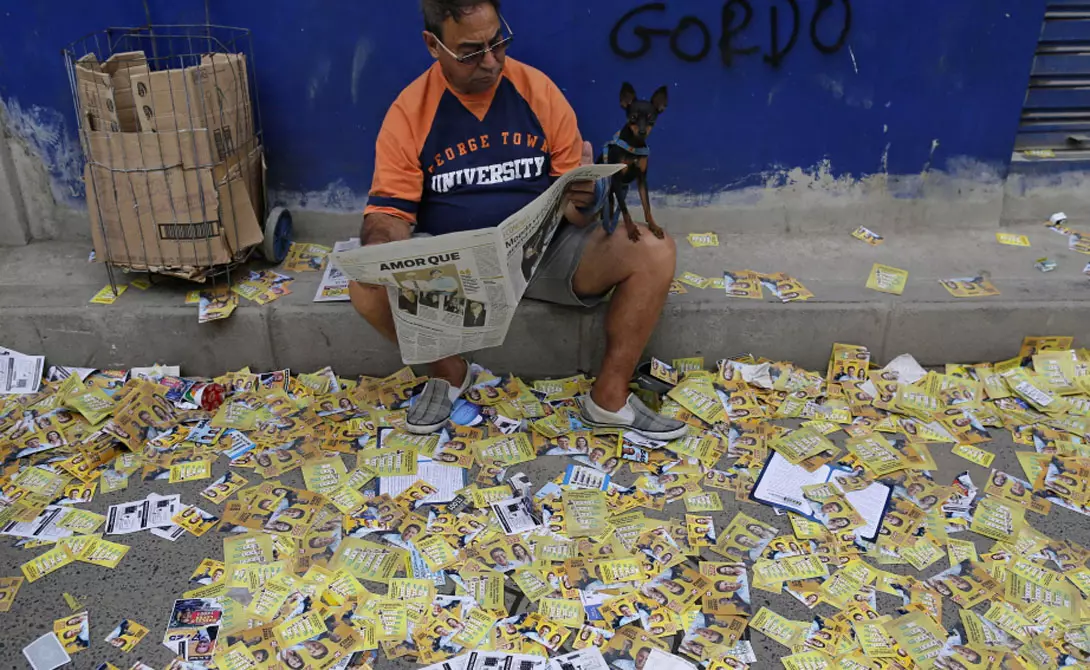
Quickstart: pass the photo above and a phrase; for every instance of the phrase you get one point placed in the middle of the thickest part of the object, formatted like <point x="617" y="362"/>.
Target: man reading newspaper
<point x="475" y="139"/>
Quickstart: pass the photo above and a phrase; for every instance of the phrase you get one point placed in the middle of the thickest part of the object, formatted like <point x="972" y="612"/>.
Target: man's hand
<point x="580" y="194"/>
<point x="383" y="228"/>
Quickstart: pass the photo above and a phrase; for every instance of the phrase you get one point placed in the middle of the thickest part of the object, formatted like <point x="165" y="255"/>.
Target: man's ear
<point x="628" y="95"/>
<point x="658" y="100"/>
<point x="429" y="42"/>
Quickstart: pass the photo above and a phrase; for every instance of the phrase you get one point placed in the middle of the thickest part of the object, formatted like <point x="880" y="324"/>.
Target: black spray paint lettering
<point x="736" y="17"/>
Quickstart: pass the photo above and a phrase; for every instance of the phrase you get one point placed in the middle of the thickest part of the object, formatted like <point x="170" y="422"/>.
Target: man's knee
<point x="658" y="255"/>
<point x="368" y="298"/>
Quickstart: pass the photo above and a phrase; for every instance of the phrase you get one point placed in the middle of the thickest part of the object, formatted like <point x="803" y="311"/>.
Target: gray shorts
<point x="553" y="280"/>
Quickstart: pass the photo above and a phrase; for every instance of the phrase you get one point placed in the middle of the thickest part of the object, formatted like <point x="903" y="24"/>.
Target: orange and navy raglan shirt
<point x="450" y="162"/>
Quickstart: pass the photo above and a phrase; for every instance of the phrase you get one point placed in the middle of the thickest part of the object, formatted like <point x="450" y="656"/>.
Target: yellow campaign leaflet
<point x="703" y="240"/>
<point x="195" y="520"/>
<point x="367" y="560"/>
<point x="533" y="583"/>
<point x="106" y="295"/>
<point x="126" y="635"/>
<point x="705" y="501"/>
<point x="699" y="397"/>
<point x="476" y="626"/>
<point x="191" y="471"/>
<point x="81" y="521"/>
<point x="9" y="587"/>
<point x="267" y="604"/>
<point x="506" y="449"/>
<point x="40" y="481"/>
<point x="969" y="287"/>
<point x="51" y="561"/>
<point x="392" y="462"/>
<point x="869" y="236"/>
<point x="408" y="590"/>
<point x="961" y="550"/>
<point x="299" y="629"/>
<point x="436" y="552"/>
<point x="919" y="636"/>
<point x="235" y="657"/>
<point x="886" y="279"/>
<point x="568" y="613"/>
<point x="224" y="487"/>
<point x="693" y="279"/>
<point x="876" y="454"/>
<point x="798" y="445"/>
<point x="974" y="454"/>
<point x="94" y="405"/>
<point x="103" y="552"/>
<point x="808" y="660"/>
<point x="782" y="630"/>
<point x="324" y="476"/>
<point x="347" y="499"/>
<point x="586" y="512"/>
<point x="1012" y="240"/>
<point x="393" y="620"/>
<point x="997" y="520"/>
<point x="248" y="549"/>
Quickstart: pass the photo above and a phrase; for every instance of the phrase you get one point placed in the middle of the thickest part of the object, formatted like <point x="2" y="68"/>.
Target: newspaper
<point x="19" y="373"/>
<point x="457" y="293"/>
<point x="334" y="286"/>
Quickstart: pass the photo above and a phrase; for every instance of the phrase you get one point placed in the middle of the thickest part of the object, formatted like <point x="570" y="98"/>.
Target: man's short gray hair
<point x="438" y="11"/>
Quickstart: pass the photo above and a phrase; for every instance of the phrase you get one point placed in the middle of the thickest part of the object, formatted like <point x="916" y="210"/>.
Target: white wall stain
<point x="964" y="180"/>
<point x="44" y="132"/>
<point x="337" y="198"/>
<point x="359" y="61"/>
<point x="319" y="78"/>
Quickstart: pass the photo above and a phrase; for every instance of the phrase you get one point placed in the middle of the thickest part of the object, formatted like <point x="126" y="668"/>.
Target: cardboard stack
<point x="175" y="173"/>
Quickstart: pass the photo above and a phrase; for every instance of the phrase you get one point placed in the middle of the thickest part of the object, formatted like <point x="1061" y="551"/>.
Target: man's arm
<point x="380" y="228"/>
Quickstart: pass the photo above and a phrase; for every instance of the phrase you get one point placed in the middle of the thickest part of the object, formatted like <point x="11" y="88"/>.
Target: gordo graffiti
<point x="830" y="18"/>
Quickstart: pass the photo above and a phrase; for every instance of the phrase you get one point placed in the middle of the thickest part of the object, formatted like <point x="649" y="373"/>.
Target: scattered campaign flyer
<point x="20" y="374"/>
<point x="155" y="511"/>
<point x="782" y="485"/>
<point x="589" y="658"/>
<point x="516" y="515"/>
<point x="334" y="286"/>
<point x="46" y="653"/>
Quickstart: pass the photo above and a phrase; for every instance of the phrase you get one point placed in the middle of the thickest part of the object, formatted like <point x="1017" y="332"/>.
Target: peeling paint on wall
<point x="337" y="198"/>
<point x="45" y="132"/>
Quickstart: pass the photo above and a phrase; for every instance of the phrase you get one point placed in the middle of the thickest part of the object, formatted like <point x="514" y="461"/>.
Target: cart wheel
<point x="278" y="235"/>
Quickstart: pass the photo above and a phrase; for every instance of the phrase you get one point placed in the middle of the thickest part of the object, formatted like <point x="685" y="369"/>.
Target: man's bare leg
<point x="641" y="272"/>
<point x="374" y="306"/>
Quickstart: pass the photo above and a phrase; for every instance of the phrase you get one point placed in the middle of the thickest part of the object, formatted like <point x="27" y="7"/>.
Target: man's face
<point x="473" y="31"/>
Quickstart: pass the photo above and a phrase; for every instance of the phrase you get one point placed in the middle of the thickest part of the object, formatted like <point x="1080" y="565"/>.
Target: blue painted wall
<point x="907" y="75"/>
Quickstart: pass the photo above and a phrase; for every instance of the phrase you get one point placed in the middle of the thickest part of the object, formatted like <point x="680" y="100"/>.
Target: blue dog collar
<point x="618" y="142"/>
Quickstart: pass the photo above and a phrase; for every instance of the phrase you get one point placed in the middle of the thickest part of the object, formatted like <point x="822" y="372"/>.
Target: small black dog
<point x="629" y="146"/>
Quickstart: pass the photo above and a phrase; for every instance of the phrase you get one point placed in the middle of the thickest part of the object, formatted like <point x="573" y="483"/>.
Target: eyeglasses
<point x="475" y="58"/>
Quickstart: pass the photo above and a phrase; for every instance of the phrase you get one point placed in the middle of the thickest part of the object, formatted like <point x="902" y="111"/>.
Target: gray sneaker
<point x="431" y="409"/>
<point x="644" y="421"/>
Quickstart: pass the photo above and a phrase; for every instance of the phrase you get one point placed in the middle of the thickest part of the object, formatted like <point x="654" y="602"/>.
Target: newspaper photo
<point x="458" y="292"/>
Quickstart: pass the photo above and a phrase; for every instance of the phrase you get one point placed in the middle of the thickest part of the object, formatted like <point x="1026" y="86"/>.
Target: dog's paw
<point x="634" y="233"/>
<point x="656" y="230"/>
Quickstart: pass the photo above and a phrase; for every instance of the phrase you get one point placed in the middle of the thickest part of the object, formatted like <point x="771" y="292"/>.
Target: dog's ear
<point x="658" y="100"/>
<point x="628" y="95"/>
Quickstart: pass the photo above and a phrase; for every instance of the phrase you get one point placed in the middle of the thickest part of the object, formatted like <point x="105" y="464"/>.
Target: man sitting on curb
<point x="477" y="108"/>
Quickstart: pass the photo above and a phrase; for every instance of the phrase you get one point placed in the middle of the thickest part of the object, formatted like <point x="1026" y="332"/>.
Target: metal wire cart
<point x="171" y="134"/>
